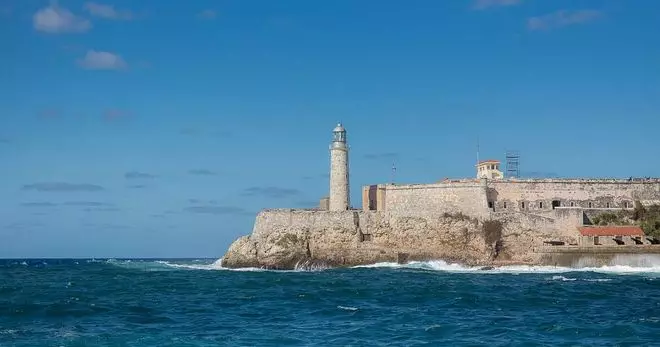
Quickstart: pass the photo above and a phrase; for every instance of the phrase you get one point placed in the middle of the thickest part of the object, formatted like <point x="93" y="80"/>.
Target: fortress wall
<point x="568" y="219"/>
<point x="432" y="199"/>
<point x="561" y="223"/>
<point x="281" y="219"/>
<point x="539" y="194"/>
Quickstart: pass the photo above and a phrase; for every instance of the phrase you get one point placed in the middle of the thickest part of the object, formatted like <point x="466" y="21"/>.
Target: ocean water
<point x="197" y="303"/>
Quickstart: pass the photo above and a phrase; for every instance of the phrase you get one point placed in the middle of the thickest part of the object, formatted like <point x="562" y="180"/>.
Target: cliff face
<point x="288" y="239"/>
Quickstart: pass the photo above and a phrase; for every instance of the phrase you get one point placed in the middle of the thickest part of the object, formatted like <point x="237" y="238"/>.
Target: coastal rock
<point x="290" y="239"/>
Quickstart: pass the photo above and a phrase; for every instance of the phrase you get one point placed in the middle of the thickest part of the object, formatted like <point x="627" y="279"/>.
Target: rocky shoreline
<point x="290" y="239"/>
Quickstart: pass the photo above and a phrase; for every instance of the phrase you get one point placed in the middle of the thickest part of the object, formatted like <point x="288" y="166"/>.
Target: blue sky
<point x="160" y="128"/>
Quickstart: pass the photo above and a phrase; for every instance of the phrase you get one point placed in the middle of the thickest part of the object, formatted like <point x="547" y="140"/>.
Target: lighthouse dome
<point x="339" y="128"/>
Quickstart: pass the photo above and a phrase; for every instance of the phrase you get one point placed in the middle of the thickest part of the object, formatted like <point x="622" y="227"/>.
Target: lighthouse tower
<point x="339" y="192"/>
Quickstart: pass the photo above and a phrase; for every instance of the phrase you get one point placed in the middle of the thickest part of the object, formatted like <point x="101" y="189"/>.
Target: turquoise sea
<point x="194" y="302"/>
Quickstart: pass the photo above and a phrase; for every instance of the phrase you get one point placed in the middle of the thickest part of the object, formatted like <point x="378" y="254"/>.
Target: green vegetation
<point x="611" y="218"/>
<point x="648" y="218"/>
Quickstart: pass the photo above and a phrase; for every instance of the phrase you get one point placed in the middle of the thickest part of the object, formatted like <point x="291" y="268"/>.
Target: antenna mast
<point x="393" y="171"/>
<point x="477" y="150"/>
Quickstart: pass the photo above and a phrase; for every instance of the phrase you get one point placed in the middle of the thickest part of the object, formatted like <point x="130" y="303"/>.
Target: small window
<point x="540" y="204"/>
<point x="504" y="204"/>
<point x="625" y="204"/>
<point x="490" y="204"/>
<point x="522" y="204"/>
<point x="607" y="205"/>
<point x="572" y="204"/>
<point x="590" y="205"/>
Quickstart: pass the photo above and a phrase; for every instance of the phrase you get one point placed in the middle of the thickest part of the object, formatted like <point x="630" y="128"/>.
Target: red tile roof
<point x="488" y="161"/>
<point x="611" y="231"/>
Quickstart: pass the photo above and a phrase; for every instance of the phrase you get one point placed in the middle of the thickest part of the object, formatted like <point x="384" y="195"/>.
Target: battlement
<point x="479" y="196"/>
<point x="582" y="180"/>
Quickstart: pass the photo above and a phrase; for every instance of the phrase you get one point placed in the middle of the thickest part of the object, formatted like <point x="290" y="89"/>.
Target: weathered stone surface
<point x="286" y="239"/>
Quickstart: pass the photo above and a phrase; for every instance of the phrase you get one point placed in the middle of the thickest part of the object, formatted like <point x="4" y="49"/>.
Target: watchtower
<point x="489" y="169"/>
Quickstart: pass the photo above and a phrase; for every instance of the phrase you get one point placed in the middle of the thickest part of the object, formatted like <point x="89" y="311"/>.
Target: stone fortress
<point x="483" y="220"/>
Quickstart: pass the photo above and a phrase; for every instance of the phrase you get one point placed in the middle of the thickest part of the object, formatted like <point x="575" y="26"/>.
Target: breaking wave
<point x="621" y="264"/>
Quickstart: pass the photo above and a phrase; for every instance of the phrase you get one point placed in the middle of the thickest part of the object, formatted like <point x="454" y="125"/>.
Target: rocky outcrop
<point x="288" y="239"/>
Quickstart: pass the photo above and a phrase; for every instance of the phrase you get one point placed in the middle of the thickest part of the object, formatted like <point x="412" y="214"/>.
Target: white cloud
<point x="107" y="11"/>
<point x="562" y="18"/>
<point x="98" y="60"/>
<point x="484" y="4"/>
<point x="207" y="14"/>
<point x="55" y="19"/>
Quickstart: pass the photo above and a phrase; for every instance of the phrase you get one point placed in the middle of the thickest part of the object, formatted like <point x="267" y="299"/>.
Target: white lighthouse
<point x="339" y="191"/>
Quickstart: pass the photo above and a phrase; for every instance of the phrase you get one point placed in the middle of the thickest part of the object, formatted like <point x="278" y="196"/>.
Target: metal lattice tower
<point x="512" y="164"/>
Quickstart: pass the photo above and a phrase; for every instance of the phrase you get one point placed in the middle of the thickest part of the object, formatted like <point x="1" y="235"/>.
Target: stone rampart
<point x="475" y="197"/>
<point x="545" y="194"/>
<point x="468" y="197"/>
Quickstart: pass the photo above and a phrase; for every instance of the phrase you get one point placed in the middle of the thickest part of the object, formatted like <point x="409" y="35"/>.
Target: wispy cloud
<point x="381" y="156"/>
<point x="106" y="226"/>
<point x="101" y="209"/>
<point x="62" y="187"/>
<point x="202" y="172"/>
<point x="272" y="192"/>
<point x="189" y="131"/>
<point x="137" y="186"/>
<point x="4" y="140"/>
<point x="55" y="20"/>
<point x="49" y="113"/>
<point x="115" y="114"/>
<point x="38" y="204"/>
<point x="132" y="175"/>
<point x="202" y="202"/>
<point x="207" y="14"/>
<point x="99" y="60"/>
<point x="563" y="18"/>
<point x="107" y="11"/>
<point x="217" y="210"/>
<point x="87" y="203"/>
<point x="484" y="4"/>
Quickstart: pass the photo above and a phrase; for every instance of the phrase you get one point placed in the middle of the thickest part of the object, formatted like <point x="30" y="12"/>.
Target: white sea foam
<point x="622" y="264"/>
<point x="217" y="265"/>
<point x="562" y="278"/>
